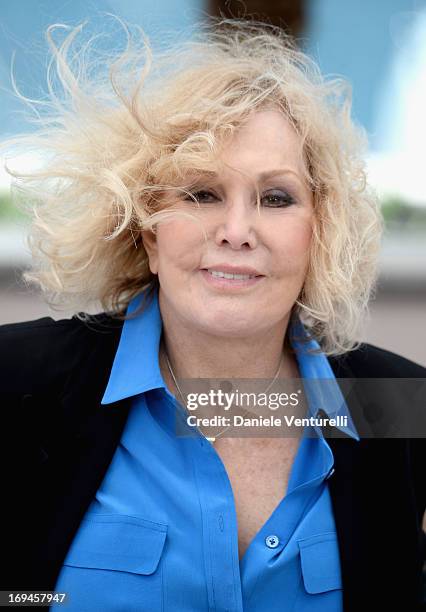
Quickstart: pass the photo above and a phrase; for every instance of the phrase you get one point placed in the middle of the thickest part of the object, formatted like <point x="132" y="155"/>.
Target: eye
<point x="201" y="196"/>
<point x="278" y="199"/>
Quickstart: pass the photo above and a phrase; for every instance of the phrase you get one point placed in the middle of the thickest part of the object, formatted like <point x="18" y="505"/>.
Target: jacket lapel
<point x="74" y="473"/>
<point x="371" y="498"/>
<point x="344" y="496"/>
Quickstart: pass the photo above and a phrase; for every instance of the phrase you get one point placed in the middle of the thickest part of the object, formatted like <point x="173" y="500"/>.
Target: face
<point x="242" y="275"/>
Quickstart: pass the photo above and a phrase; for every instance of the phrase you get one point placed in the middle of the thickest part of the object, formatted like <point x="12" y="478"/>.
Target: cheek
<point x="292" y="243"/>
<point x="179" y="245"/>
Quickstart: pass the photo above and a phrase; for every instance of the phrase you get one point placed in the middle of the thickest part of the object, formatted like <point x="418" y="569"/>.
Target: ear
<point x="149" y="240"/>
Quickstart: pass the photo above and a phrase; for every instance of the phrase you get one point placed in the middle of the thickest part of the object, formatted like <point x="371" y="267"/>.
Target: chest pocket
<point x="320" y="563"/>
<point x="114" y="563"/>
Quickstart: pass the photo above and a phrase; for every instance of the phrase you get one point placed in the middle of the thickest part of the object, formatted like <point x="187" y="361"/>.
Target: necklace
<point x="213" y="439"/>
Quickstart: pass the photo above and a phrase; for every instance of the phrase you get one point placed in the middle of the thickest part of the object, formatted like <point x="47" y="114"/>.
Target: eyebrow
<point x="278" y="171"/>
<point x="263" y="175"/>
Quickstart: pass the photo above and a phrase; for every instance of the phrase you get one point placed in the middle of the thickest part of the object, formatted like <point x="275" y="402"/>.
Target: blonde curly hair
<point x="115" y="141"/>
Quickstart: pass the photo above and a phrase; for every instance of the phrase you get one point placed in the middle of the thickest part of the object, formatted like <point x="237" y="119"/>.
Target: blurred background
<point x="379" y="46"/>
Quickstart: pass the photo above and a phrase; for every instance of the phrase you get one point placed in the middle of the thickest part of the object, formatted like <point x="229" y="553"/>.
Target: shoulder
<point x="39" y="352"/>
<point x="47" y="334"/>
<point x="370" y="361"/>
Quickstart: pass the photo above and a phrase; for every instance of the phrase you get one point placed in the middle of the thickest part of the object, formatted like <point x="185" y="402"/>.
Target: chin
<point x="229" y="324"/>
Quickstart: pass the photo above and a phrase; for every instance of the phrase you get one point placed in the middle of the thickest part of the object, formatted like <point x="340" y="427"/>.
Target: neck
<point x="196" y="354"/>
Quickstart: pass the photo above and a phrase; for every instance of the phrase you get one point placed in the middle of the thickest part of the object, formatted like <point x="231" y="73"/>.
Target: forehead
<point x="265" y="141"/>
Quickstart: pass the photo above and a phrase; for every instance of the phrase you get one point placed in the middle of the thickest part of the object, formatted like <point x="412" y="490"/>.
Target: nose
<point x="236" y="226"/>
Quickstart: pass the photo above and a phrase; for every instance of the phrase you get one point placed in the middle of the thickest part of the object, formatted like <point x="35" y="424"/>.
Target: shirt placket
<point x="220" y="537"/>
<point x="276" y="533"/>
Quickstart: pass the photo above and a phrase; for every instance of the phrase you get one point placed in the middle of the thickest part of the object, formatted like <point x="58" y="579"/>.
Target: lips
<point x="219" y="274"/>
<point x="228" y="271"/>
<point x="223" y="277"/>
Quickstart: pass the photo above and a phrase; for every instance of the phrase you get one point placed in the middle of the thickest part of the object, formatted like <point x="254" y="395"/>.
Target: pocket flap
<point x="320" y="560"/>
<point x="117" y="542"/>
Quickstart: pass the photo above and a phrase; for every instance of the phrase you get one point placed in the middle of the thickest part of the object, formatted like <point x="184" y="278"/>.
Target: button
<point x="272" y="541"/>
<point x="331" y="472"/>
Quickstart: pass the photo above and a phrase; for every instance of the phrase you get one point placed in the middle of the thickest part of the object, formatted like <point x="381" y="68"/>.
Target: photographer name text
<point x="272" y="421"/>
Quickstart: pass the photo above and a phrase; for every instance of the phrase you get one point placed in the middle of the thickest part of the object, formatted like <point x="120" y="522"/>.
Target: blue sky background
<point x="23" y="23"/>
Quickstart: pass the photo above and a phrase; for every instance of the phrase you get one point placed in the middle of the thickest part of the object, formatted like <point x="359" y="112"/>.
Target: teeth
<point x="231" y="276"/>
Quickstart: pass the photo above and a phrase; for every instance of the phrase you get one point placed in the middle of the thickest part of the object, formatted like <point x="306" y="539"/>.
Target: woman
<point x="220" y="215"/>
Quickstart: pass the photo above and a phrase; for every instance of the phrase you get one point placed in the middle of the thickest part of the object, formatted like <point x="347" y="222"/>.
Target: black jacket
<point x="59" y="441"/>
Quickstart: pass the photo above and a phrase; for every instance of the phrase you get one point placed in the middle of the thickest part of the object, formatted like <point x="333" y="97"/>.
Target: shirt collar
<point x="319" y="382"/>
<point x="136" y="369"/>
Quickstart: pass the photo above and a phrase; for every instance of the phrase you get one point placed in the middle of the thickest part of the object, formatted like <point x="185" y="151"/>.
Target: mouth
<point x="228" y="276"/>
<point x="219" y="274"/>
